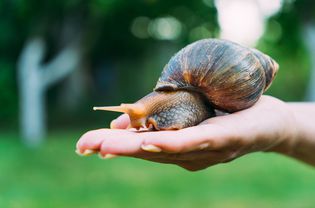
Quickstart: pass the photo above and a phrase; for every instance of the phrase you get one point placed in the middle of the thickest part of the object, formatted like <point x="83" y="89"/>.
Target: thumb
<point x="121" y="122"/>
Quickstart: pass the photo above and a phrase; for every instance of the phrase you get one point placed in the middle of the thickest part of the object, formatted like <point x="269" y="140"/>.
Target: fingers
<point x="125" y="142"/>
<point x="121" y="122"/>
<point x="89" y="142"/>
<point x="121" y="142"/>
<point x="189" y="148"/>
<point x="142" y="144"/>
<point x="185" y="140"/>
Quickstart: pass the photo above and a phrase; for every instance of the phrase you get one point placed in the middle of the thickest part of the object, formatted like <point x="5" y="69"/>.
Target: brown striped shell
<point x="231" y="76"/>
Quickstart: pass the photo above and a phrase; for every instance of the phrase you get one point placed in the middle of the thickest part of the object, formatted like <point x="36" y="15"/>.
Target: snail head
<point x="165" y="110"/>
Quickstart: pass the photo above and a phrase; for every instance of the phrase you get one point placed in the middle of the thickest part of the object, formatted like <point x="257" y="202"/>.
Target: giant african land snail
<point x="206" y="75"/>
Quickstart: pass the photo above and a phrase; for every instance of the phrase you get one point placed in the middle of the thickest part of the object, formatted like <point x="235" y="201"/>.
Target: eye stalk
<point x="136" y="108"/>
<point x="136" y="112"/>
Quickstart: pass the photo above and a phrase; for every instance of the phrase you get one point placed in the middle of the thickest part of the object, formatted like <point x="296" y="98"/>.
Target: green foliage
<point x="103" y="27"/>
<point x="54" y="176"/>
<point x="305" y="9"/>
<point x="283" y="40"/>
<point x="120" y="67"/>
<point x="8" y="96"/>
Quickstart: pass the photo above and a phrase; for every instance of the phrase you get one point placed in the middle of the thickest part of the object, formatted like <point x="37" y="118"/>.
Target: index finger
<point x="122" y="122"/>
<point x="125" y="142"/>
<point x="208" y="136"/>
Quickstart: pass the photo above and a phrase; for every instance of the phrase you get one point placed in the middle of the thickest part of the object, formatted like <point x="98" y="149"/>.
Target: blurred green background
<point x="58" y="59"/>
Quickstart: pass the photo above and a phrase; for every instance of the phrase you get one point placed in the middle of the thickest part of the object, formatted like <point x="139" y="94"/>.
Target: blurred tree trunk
<point x="34" y="78"/>
<point x="309" y="38"/>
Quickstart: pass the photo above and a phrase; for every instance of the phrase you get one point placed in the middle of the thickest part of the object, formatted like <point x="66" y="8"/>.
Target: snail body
<point x="205" y="75"/>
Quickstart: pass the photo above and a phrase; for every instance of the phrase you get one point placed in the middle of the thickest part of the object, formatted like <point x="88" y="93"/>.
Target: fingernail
<point x="203" y="146"/>
<point x="151" y="148"/>
<point x="78" y="152"/>
<point x="89" y="152"/>
<point x="112" y="124"/>
<point x="107" y="156"/>
<point x="86" y="152"/>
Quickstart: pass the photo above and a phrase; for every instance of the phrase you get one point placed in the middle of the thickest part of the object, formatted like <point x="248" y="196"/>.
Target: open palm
<point x="266" y="126"/>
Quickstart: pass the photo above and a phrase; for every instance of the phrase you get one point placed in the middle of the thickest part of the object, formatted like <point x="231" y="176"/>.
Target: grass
<point x="54" y="176"/>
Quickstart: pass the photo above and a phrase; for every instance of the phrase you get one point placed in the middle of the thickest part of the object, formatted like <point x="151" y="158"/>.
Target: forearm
<point x="302" y="145"/>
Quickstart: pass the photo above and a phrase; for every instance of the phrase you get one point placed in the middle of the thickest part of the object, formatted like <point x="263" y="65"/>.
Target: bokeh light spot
<point x="199" y="32"/>
<point x="139" y="27"/>
<point x="165" y="28"/>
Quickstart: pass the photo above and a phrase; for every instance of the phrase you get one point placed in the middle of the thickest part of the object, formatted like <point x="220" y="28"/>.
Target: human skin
<point x="271" y="125"/>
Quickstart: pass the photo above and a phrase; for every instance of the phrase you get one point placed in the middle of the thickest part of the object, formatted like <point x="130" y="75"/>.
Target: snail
<point x="205" y="75"/>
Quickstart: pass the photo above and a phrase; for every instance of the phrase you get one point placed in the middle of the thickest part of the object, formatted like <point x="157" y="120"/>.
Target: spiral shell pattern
<point x="230" y="76"/>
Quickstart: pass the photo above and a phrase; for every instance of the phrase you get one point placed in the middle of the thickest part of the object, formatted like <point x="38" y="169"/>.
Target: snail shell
<point x="206" y="75"/>
<point x="231" y="76"/>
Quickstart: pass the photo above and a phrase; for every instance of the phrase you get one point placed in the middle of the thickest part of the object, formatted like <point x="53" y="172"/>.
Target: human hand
<point x="267" y="126"/>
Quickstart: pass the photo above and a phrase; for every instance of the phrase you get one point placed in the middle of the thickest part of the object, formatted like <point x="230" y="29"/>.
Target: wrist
<point x="290" y="134"/>
<point x="299" y="136"/>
